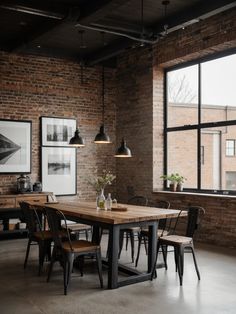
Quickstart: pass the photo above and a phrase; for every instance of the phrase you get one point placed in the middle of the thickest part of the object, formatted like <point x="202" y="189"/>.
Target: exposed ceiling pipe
<point x="108" y="31"/>
<point x="32" y="11"/>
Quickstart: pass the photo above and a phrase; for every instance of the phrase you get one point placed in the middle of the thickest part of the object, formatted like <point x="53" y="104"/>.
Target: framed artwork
<point x="15" y="146"/>
<point x="57" y="131"/>
<point x="58" y="170"/>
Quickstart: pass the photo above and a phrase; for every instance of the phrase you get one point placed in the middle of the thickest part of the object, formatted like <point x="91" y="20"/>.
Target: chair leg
<point x="121" y="242"/>
<point x="195" y="263"/>
<point x="53" y="259"/>
<point x="132" y="245"/>
<point x="145" y="245"/>
<point x="139" y="248"/>
<point x="99" y="266"/>
<point x="179" y="264"/>
<point x="70" y="259"/>
<point x="65" y="273"/>
<point x="176" y="259"/>
<point x="42" y="253"/>
<point x="127" y="240"/>
<point x="86" y="235"/>
<point x="81" y="265"/>
<point x="164" y="253"/>
<point x="27" y="253"/>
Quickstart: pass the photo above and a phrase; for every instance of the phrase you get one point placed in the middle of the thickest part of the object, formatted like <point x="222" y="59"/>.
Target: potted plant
<point x="176" y="181"/>
<point x="180" y="181"/>
<point x="173" y="178"/>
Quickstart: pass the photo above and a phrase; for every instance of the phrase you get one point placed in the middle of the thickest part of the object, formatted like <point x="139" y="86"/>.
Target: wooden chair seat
<point x="79" y="246"/>
<point x="160" y="232"/>
<point x="176" y="239"/>
<point x="77" y="227"/>
<point x="43" y="235"/>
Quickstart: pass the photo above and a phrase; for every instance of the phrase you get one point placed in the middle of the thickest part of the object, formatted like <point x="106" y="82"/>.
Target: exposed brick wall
<point x="134" y="122"/>
<point x="32" y="86"/>
<point x="140" y="119"/>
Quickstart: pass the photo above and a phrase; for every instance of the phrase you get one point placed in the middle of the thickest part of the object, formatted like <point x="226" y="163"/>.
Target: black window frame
<point x="198" y="126"/>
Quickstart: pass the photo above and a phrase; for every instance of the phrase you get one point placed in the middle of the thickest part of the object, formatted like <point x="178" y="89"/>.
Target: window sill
<point x="195" y="194"/>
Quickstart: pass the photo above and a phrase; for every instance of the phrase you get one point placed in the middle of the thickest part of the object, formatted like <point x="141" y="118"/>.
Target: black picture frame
<point x="56" y="131"/>
<point x="15" y="146"/>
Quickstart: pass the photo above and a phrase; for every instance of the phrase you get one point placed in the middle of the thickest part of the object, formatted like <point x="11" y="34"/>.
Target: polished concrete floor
<point x="24" y="292"/>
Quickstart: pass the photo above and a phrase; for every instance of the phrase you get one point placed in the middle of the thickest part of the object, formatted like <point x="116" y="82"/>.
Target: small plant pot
<point x="173" y="187"/>
<point x="179" y="187"/>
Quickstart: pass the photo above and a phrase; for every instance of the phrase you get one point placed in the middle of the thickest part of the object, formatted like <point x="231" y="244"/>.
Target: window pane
<point x="182" y="156"/>
<point x="218" y="89"/>
<point x="230" y="177"/>
<point x="182" y="95"/>
<point x="230" y="149"/>
<point x="216" y="161"/>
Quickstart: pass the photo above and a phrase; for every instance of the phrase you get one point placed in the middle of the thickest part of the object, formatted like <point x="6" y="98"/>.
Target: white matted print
<point x="58" y="168"/>
<point x="57" y="131"/>
<point x="15" y="146"/>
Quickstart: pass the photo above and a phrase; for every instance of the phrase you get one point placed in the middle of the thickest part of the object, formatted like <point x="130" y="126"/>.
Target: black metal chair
<point x="66" y="250"/>
<point x="36" y="235"/>
<point x="181" y="243"/>
<point x="78" y="229"/>
<point x="163" y="228"/>
<point x="131" y="232"/>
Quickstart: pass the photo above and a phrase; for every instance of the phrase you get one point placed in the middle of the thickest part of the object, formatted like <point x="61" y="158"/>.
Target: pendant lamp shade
<point x="77" y="140"/>
<point x="102" y="137"/>
<point x="123" y="150"/>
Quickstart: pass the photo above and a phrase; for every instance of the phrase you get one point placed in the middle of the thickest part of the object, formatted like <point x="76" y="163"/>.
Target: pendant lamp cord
<point x="142" y="19"/>
<point x="103" y="96"/>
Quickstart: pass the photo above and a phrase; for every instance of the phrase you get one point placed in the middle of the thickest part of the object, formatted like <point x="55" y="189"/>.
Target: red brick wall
<point x="32" y="86"/>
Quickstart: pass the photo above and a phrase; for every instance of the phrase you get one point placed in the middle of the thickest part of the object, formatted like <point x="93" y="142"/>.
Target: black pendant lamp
<point x="123" y="150"/>
<point x="102" y="137"/>
<point x="77" y="140"/>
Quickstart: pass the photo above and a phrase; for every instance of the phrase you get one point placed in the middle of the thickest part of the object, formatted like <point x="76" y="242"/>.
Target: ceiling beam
<point x="93" y="11"/>
<point x="175" y="22"/>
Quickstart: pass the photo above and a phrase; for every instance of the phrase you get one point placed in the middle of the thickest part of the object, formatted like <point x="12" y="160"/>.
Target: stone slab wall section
<point x="32" y="86"/>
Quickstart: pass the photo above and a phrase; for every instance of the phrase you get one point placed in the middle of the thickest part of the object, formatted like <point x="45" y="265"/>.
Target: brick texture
<point x="32" y="86"/>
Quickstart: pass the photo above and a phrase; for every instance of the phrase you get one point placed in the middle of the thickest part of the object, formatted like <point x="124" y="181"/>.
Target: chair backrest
<point x="138" y="200"/>
<point x="194" y="218"/>
<point x="31" y="217"/>
<point x="55" y="219"/>
<point x="162" y="204"/>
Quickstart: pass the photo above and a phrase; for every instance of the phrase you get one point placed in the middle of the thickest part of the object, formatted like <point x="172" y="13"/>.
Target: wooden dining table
<point x="114" y="221"/>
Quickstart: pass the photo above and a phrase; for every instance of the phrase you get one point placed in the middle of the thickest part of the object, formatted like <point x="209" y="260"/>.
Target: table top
<point x="88" y="211"/>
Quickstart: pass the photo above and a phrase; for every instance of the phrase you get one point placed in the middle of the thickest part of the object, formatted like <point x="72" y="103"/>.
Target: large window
<point x="200" y="124"/>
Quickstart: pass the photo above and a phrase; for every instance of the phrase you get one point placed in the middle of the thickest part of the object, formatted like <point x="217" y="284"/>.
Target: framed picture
<point x="57" y="131"/>
<point x="58" y="170"/>
<point x="15" y="146"/>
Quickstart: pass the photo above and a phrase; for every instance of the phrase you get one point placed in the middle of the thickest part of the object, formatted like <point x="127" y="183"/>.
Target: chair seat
<point x="47" y="235"/>
<point x="44" y="235"/>
<point x="176" y="239"/>
<point x="80" y="246"/>
<point x="160" y="232"/>
<point x="77" y="227"/>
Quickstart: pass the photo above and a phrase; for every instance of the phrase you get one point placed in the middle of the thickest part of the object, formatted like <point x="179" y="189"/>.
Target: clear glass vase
<point x="101" y="200"/>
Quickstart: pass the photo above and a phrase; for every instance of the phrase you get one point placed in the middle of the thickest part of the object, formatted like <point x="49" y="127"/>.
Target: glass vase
<point x="101" y="200"/>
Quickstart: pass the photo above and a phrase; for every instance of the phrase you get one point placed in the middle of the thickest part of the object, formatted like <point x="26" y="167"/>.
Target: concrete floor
<point x="24" y="292"/>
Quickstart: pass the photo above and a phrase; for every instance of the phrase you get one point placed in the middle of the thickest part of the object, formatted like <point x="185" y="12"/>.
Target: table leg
<point x="113" y="246"/>
<point x="96" y="236"/>
<point x="152" y="246"/>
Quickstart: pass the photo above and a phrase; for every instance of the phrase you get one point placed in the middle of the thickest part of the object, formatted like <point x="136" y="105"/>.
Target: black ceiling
<point x="73" y="28"/>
